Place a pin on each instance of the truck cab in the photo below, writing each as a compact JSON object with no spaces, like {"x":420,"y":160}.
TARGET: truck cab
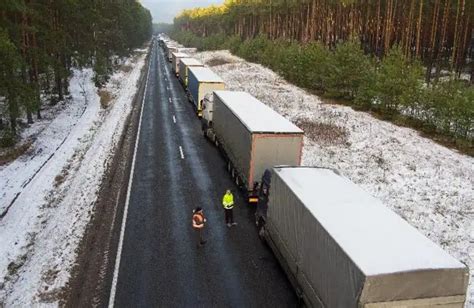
{"x":207,"y":105}
{"x":207,"y":108}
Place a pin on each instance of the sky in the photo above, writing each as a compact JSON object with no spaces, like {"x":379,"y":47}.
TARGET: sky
{"x":166,"y":10}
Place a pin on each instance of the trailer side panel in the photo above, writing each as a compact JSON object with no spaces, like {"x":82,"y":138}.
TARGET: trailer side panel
{"x":346,"y":249}
{"x":314,"y":259}
{"x":234,"y":137}
{"x":193,"y":87}
{"x":182,"y":72}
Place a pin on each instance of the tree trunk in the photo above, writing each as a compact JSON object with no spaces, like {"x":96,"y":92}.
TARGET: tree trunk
{"x":456,"y":33}
{"x":418,"y":29}
{"x":409,"y":31}
{"x":59,"y":84}
{"x":377,"y":33}
{"x":462,"y":48}
{"x":443,"y":39}
{"x":433,"y":41}
{"x":12,"y":113}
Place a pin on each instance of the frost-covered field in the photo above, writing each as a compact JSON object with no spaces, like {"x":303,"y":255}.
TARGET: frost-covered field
{"x":56,"y":185}
{"x":430,"y":186}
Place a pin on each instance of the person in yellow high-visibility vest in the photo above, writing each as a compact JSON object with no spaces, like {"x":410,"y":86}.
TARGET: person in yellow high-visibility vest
{"x":228,"y":204}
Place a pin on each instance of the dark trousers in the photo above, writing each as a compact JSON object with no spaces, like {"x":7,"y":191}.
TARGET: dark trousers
{"x":200,"y":235}
{"x":229,"y":216}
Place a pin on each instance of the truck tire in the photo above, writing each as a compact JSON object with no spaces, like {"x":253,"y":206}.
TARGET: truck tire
{"x":261,"y":233}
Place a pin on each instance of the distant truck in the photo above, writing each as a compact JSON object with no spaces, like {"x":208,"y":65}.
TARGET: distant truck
{"x":176,"y":58}
{"x":169,"y":48}
{"x":342,"y":247}
{"x":162,"y":42}
{"x":188,"y":50}
{"x":201,"y":80}
{"x":252,"y":136}
{"x":184,"y":65}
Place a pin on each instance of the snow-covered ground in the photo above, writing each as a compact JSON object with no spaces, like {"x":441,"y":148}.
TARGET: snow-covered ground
{"x":47,"y":195}
{"x":430,"y":186}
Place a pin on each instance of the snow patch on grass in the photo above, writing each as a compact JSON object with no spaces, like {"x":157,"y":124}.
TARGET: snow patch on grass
{"x":66,"y":166}
{"x":430,"y":186}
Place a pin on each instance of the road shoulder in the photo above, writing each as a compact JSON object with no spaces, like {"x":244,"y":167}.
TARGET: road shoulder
{"x":90,"y":279}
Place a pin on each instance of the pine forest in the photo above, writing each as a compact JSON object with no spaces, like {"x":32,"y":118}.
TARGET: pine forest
{"x":42,"y":40}
{"x":409,"y":61}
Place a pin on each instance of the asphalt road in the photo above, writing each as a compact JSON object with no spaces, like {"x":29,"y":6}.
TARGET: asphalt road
{"x":176,"y":169}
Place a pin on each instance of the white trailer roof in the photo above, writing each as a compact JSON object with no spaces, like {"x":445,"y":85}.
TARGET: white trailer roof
{"x":191,"y":62}
{"x":373,"y":236}
{"x":255,"y":115}
{"x":204,"y":74}
{"x":188,"y":49}
{"x":180,"y":55}
{"x":173,"y":45}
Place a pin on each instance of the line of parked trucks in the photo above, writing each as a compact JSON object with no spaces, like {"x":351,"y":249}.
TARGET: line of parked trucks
{"x":339,"y":246}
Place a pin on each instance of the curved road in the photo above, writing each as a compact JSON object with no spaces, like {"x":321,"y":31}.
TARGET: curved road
{"x":176,"y":169}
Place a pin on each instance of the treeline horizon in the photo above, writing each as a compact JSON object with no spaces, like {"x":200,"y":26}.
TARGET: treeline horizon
{"x":391,"y":88}
{"x":438,"y":32}
{"x":41,"y":41}
{"x":409,"y":62}
{"x":162,"y":27}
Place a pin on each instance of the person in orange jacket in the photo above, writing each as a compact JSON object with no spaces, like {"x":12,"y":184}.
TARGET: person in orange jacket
{"x":199,"y":222}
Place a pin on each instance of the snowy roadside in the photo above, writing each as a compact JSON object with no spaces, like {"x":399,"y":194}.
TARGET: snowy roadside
{"x":430,"y":186}
{"x":44,"y":225}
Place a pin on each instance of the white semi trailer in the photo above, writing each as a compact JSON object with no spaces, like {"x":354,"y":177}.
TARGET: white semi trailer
{"x":184,"y":65}
{"x":201,"y":81}
{"x":252,"y":136}
{"x":176,"y":59}
{"x":342,"y":247}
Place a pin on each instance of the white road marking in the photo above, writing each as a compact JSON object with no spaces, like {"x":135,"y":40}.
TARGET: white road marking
{"x":181,"y":152}
{"x":169,"y":99}
{"x":174,"y":119}
{"x":113,"y":289}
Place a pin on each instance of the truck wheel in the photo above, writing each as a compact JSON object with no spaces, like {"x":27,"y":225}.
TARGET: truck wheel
{"x":261,"y":233}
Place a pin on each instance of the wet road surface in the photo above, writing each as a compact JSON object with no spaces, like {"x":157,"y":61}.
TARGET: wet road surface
{"x":175,"y":170}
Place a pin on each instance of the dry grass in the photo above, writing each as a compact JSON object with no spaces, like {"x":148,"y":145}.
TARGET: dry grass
{"x":217,"y":61}
{"x":14,"y":266}
{"x":50,"y":276}
{"x":105,"y":98}
{"x":50,"y":296}
{"x":10,"y":154}
{"x":60,"y":178}
{"x":323,"y":133}
{"x":126,"y":68}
